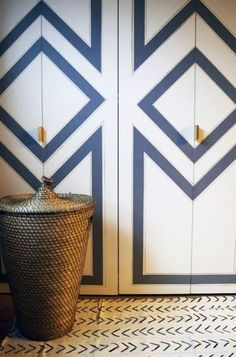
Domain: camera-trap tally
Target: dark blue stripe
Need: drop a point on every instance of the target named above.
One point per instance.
(146, 104)
(138, 204)
(94, 145)
(95, 100)
(96, 33)
(139, 34)
(142, 51)
(93, 53)
(97, 192)
(21, 134)
(216, 25)
(19, 67)
(214, 136)
(206, 180)
(171, 77)
(186, 279)
(141, 146)
(69, 70)
(68, 130)
(215, 75)
(20, 28)
(19, 167)
(78, 156)
(214, 279)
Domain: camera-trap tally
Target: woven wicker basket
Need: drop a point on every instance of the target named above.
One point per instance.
(44, 240)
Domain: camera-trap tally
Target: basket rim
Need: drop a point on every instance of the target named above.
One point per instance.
(21, 204)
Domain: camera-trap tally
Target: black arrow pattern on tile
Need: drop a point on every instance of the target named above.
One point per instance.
(162, 324)
(83, 349)
(121, 347)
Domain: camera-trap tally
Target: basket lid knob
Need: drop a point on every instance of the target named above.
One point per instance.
(47, 181)
(45, 200)
(45, 192)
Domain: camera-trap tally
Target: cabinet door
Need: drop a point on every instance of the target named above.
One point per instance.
(21, 106)
(80, 119)
(156, 145)
(214, 224)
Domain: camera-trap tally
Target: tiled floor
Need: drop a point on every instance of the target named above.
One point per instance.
(170, 326)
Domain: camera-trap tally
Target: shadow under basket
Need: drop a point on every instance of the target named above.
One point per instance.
(44, 238)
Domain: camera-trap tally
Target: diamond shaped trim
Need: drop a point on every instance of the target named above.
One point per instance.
(146, 104)
(95, 100)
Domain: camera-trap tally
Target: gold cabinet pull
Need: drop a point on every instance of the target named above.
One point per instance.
(196, 132)
(41, 134)
(199, 133)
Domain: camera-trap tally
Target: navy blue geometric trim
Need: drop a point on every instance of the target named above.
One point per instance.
(20, 66)
(142, 51)
(20, 133)
(21, 169)
(215, 135)
(216, 25)
(93, 145)
(141, 146)
(146, 104)
(92, 54)
(215, 75)
(213, 279)
(95, 100)
(20, 28)
(215, 171)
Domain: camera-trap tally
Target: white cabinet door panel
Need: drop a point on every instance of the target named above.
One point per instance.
(214, 236)
(156, 87)
(80, 118)
(59, 68)
(214, 223)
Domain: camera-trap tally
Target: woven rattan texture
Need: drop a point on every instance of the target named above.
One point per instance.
(44, 256)
(45, 200)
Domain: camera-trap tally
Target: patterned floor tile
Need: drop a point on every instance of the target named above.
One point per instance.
(135, 326)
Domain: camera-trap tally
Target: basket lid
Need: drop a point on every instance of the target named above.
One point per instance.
(45, 200)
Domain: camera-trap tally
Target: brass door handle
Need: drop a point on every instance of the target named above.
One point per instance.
(41, 134)
(198, 133)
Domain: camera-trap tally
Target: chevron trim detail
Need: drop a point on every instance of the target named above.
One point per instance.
(93, 53)
(141, 146)
(94, 145)
(142, 51)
